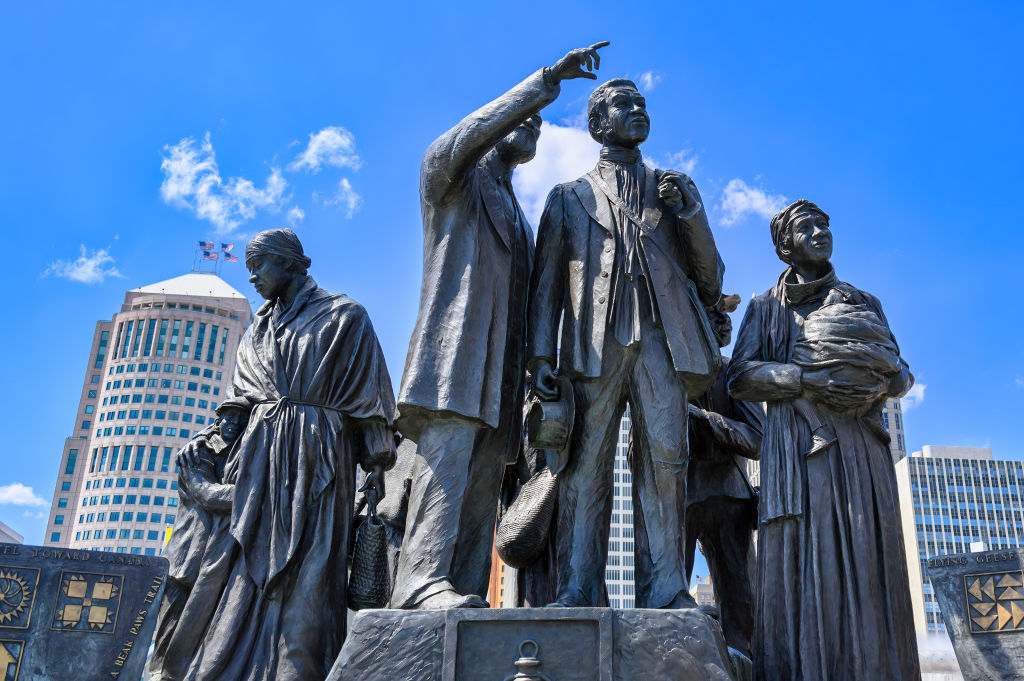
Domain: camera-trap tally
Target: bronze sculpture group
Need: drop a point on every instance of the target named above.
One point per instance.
(620, 303)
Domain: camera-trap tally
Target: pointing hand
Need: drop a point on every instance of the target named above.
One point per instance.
(572, 65)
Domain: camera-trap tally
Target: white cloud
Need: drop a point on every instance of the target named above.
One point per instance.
(192, 181)
(90, 267)
(684, 161)
(295, 216)
(564, 153)
(647, 81)
(914, 397)
(345, 196)
(739, 199)
(332, 146)
(18, 494)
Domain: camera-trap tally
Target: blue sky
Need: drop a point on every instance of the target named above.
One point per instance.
(130, 130)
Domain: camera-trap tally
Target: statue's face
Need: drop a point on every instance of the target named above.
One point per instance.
(625, 121)
(520, 145)
(811, 241)
(721, 325)
(231, 424)
(269, 275)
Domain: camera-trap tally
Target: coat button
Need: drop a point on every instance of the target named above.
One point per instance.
(600, 300)
(604, 274)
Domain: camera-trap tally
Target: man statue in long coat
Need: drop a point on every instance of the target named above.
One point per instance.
(833, 602)
(462, 391)
(721, 507)
(313, 370)
(625, 264)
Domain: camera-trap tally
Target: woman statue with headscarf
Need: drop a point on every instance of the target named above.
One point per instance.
(313, 370)
(833, 600)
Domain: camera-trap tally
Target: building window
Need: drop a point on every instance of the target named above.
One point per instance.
(69, 466)
(58, 520)
(55, 537)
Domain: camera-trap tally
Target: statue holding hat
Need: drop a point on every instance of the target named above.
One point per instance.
(313, 374)
(625, 264)
(834, 597)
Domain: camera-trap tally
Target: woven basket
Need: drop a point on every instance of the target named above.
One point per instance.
(523, 530)
(369, 585)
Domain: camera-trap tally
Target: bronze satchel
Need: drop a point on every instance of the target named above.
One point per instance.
(369, 583)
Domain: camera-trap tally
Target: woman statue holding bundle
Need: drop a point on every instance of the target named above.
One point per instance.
(833, 601)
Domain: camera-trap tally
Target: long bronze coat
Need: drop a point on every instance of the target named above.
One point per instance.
(457, 350)
(576, 252)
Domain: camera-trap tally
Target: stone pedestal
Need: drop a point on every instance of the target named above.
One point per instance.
(534, 644)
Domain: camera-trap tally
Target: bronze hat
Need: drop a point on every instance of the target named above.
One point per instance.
(549, 425)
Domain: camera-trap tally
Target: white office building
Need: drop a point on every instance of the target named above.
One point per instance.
(952, 498)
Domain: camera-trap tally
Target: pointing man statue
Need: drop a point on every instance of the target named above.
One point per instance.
(626, 263)
(462, 390)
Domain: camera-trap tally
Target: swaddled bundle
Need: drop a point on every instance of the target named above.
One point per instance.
(851, 340)
(848, 336)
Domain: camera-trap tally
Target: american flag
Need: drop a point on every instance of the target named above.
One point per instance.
(206, 246)
(230, 258)
(207, 255)
(226, 247)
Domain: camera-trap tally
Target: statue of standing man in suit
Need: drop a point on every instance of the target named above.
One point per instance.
(462, 391)
(625, 264)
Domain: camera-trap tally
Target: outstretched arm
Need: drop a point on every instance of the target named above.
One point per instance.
(739, 432)
(450, 158)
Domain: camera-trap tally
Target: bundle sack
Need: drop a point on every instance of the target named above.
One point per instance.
(847, 336)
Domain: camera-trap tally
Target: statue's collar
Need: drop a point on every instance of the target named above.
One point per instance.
(621, 155)
(797, 293)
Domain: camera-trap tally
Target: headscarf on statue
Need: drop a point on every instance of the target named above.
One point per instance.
(282, 242)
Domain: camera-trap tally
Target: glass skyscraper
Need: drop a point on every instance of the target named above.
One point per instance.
(154, 376)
